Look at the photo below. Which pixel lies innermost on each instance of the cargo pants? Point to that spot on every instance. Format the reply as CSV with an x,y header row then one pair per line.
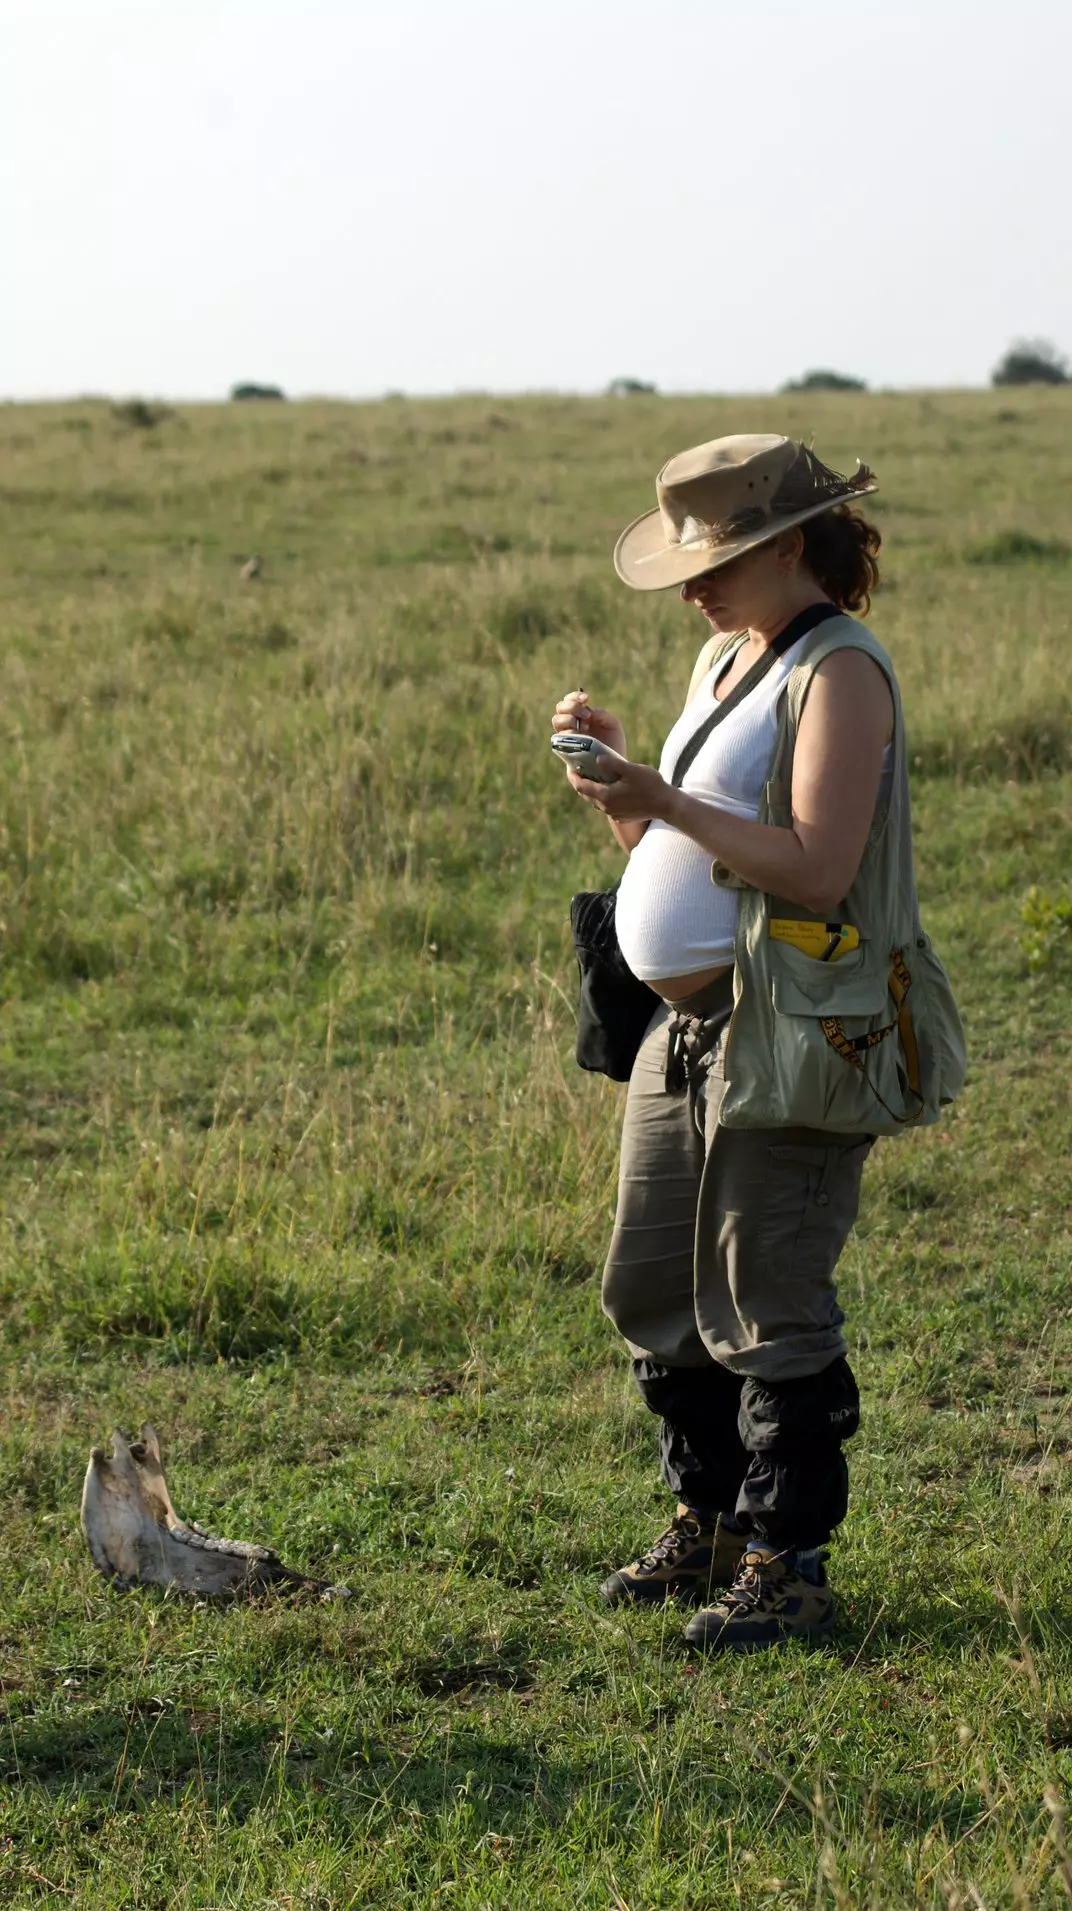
x,y
720,1276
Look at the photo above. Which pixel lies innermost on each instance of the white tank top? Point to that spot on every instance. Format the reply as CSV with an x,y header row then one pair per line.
x,y
671,918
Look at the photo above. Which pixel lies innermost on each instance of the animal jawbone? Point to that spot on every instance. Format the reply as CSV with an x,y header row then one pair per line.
x,y
136,1538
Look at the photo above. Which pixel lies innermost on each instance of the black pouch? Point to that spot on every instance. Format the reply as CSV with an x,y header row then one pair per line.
x,y
614,1008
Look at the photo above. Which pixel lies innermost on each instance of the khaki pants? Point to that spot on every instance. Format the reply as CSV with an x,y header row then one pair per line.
x,y
726,1239
720,1276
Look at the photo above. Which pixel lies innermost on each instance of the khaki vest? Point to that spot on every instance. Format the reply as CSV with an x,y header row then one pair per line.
x,y
871,1043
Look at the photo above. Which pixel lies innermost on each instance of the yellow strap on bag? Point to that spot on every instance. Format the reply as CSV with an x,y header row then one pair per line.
x,y
825,941
852,1048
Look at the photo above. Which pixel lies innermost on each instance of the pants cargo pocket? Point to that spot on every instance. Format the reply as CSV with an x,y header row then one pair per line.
x,y
812,1199
766,1300
775,1207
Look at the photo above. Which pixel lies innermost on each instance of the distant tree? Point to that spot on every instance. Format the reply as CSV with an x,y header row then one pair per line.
x,y
825,381
1031,361
628,388
256,391
140,413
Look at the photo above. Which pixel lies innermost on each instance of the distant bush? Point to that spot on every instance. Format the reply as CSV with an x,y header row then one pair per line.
x,y
1031,361
1046,938
1025,746
522,618
256,391
1018,547
825,381
628,388
525,617
138,413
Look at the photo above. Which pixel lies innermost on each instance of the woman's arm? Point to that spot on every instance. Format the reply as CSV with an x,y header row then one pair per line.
x,y
626,835
844,728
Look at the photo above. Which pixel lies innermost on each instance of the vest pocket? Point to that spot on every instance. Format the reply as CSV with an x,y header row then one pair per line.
x,y
813,1083
856,984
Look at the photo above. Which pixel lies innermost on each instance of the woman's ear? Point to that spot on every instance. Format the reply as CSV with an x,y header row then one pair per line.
x,y
789,547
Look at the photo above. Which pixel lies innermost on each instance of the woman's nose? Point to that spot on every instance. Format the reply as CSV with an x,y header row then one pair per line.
x,y
693,587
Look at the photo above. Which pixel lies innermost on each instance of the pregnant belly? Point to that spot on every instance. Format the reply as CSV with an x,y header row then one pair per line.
x,y
676,927
677,988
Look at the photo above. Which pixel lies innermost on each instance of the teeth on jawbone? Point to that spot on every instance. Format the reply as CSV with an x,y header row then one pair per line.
x,y
136,1538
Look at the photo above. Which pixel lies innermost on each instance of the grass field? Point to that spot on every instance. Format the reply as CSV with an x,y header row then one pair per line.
x,y
296,1163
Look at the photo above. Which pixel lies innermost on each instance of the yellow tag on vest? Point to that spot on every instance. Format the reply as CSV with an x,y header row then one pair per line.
x,y
825,941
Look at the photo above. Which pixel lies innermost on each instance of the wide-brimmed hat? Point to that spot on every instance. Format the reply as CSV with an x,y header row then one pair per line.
x,y
723,498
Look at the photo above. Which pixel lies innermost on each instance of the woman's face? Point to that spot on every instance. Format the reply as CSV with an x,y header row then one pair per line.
x,y
750,589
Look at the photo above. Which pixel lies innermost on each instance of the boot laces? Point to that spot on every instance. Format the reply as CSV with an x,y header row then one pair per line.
x,y
755,1581
683,1531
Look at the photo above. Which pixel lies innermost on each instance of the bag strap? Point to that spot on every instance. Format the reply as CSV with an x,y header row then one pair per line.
x,y
715,647
853,1048
748,682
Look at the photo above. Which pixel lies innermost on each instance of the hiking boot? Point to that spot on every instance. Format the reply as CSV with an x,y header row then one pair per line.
x,y
690,1556
768,1601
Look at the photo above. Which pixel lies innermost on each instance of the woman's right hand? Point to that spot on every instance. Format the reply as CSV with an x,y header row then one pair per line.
x,y
574,712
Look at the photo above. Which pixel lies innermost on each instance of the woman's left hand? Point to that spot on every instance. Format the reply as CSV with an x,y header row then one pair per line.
x,y
637,796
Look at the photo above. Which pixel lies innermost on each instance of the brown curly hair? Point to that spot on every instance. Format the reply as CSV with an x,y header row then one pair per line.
x,y
841,552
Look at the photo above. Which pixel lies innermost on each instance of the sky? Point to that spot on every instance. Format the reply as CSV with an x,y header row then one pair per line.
x,y
349,197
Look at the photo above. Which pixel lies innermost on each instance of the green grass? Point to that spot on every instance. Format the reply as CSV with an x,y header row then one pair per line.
x,y
296,1164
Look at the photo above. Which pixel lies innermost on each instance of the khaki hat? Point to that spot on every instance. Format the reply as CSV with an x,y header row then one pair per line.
x,y
723,498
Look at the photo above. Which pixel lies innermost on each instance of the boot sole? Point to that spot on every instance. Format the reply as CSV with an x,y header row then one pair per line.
x,y
614,1592
730,1639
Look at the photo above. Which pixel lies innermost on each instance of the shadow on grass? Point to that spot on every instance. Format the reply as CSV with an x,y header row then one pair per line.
x,y
873,1632
122,1761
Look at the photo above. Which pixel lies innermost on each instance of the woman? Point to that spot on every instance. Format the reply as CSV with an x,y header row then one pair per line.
x,y
770,902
